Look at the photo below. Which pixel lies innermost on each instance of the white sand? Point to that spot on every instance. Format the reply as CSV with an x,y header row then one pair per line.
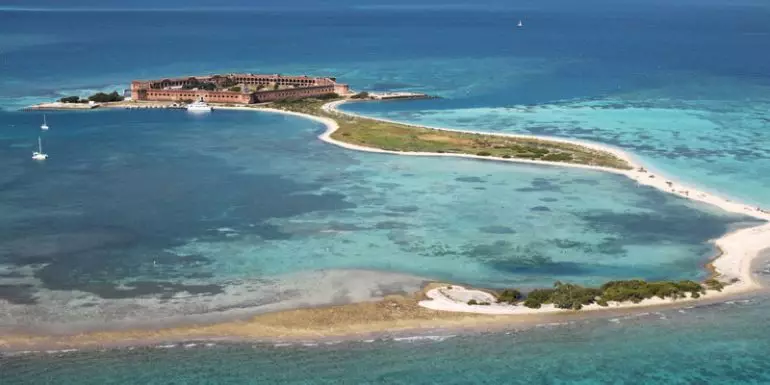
x,y
738,248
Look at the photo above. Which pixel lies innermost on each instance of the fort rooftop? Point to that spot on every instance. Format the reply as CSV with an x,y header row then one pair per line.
x,y
236,88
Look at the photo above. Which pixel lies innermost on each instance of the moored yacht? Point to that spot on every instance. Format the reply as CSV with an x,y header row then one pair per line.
x,y
39,155
44,126
199,106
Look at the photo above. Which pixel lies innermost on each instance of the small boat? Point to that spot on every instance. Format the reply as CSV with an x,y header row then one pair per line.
x,y
39,155
520,24
44,126
199,106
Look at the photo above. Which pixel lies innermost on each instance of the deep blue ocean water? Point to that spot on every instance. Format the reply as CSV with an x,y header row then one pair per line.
x,y
146,215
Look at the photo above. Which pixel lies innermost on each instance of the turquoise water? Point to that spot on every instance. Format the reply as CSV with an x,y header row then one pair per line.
x,y
143,214
150,217
688,346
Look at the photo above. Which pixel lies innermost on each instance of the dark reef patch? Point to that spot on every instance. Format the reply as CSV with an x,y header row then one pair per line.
x,y
18,294
541,185
403,209
390,225
497,230
469,179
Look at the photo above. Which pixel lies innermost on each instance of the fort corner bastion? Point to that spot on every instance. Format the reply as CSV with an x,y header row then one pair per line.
x,y
236,88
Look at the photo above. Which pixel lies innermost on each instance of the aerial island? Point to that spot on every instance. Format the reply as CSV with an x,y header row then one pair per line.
x,y
438,304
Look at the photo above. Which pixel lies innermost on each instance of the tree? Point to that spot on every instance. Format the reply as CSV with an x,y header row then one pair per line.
x,y
537,297
70,99
509,296
228,82
101,97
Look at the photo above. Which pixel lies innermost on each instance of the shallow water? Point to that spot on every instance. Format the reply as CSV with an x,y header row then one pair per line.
x,y
147,215
140,214
672,347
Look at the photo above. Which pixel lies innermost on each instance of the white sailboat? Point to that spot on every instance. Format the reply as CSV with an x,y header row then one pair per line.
x,y
520,24
44,126
39,155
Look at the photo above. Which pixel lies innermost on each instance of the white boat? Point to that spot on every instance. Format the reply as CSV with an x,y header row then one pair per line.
x,y
39,155
520,24
199,106
44,126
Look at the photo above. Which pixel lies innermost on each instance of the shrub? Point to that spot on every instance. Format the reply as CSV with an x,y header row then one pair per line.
x,y
509,296
537,297
101,97
235,89
483,153
571,296
70,99
558,157
714,284
532,303
472,302
602,302
484,303
328,96
506,156
361,95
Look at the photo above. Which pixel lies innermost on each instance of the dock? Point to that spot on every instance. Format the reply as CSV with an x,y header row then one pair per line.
x,y
62,106
398,95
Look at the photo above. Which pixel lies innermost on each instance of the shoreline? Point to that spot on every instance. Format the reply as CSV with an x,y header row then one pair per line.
x,y
738,249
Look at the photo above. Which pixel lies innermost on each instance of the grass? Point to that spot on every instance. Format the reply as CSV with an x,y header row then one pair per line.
x,y
406,138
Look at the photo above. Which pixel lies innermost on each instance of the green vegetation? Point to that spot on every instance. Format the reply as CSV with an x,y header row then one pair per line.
x,y
472,302
537,297
71,99
361,95
329,96
227,83
235,89
101,97
714,284
406,138
571,296
509,296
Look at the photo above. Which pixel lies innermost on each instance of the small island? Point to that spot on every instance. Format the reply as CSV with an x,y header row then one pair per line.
x,y
438,304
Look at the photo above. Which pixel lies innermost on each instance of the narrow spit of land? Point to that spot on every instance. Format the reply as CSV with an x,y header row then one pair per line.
x,y
391,136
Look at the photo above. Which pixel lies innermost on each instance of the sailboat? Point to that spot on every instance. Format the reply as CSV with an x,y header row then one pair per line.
x,y
44,126
520,24
39,155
